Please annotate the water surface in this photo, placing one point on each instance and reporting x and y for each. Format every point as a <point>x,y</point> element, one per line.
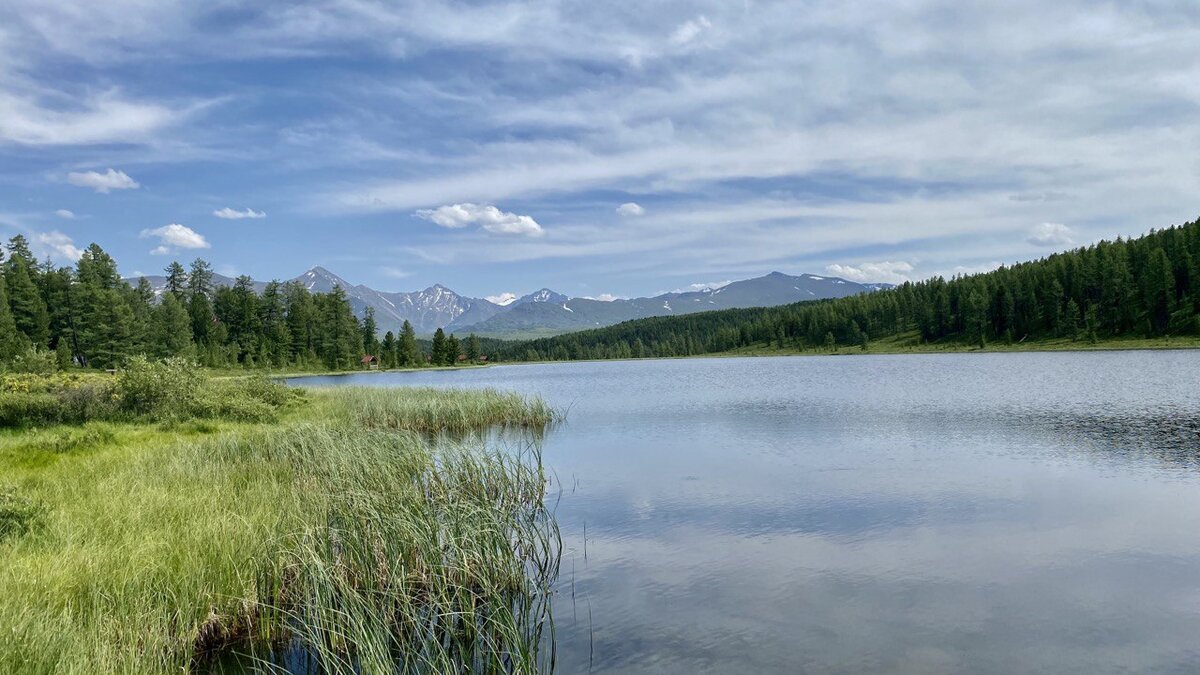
<point>989,513</point>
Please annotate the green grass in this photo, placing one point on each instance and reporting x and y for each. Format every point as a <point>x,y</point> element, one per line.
<point>166,546</point>
<point>909,343</point>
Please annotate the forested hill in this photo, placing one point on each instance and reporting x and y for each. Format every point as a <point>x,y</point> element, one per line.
<point>1145,287</point>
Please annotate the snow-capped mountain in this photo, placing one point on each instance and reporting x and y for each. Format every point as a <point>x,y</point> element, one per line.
<point>543,295</point>
<point>429,309</point>
<point>547,312</point>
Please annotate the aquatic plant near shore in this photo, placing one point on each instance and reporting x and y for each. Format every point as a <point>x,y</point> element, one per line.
<point>365,546</point>
<point>433,410</point>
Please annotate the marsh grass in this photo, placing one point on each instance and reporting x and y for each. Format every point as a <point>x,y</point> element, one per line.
<point>341,533</point>
<point>438,410</point>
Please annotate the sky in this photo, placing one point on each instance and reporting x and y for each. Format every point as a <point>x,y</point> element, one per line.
<point>603,149</point>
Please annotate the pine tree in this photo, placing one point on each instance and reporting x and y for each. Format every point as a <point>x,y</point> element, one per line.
<point>409,353</point>
<point>473,348</point>
<point>453,350</point>
<point>370,339</point>
<point>438,350</point>
<point>177,280</point>
<point>388,350</point>
<point>25,299</point>
<point>10,345</point>
<point>172,328</point>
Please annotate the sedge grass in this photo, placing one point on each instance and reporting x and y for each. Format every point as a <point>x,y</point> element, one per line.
<point>341,531</point>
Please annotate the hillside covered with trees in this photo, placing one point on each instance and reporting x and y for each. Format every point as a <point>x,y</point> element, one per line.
<point>1146,287</point>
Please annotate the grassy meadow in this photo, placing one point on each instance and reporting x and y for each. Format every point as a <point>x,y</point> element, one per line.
<point>162,521</point>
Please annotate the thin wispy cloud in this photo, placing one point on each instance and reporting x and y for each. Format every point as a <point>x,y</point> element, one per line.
<point>929,132</point>
<point>233,214</point>
<point>65,214</point>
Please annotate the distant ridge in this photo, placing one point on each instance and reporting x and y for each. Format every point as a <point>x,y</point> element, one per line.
<point>548,312</point>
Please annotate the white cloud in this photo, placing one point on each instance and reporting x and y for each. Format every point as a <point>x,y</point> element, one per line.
<point>174,237</point>
<point>65,214</point>
<point>502,298</point>
<point>689,30</point>
<point>103,182</point>
<point>630,209</point>
<point>233,214</point>
<point>699,286</point>
<point>59,246</point>
<point>105,118</point>
<point>1051,234</point>
<point>892,272</point>
<point>603,297</point>
<point>488,217</point>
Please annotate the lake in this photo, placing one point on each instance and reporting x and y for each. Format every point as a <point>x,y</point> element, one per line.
<point>989,513</point>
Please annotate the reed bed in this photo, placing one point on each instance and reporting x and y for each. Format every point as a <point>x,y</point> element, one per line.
<point>345,537</point>
<point>439,410</point>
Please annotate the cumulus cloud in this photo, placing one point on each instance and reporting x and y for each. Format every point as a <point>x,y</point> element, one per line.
<point>892,272</point>
<point>488,217</point>
<point>173,238</point>
<point>59,246</point>
<point>233,214</point>
<point>65,214</point>
<point>502,298</point>
<point>689,30</point>
<point>603,297</point>
<point>103,182</point>
<point>630,209</point>
<point>1051,234</point>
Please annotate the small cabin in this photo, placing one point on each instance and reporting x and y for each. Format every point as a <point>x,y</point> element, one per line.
<point>370,362</point>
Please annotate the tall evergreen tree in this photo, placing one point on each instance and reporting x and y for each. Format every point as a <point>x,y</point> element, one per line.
<point>437,351</point>
<point>177,280</point>
<point>172,328</point>
<point>25,299</point>
<point>409,353</point>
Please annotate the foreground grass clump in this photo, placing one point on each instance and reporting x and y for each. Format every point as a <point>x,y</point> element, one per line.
<point>174,545</point>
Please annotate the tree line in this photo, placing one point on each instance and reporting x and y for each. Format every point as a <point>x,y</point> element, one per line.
<point>87,315</point>
<point>1143,287</point>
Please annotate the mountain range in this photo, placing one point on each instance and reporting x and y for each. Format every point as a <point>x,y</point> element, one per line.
<point>546,312</point>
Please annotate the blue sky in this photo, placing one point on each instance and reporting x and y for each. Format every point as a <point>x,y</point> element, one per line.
<point>615,148</point>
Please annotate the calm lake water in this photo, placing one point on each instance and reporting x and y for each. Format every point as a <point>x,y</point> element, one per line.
<point>990,513</point>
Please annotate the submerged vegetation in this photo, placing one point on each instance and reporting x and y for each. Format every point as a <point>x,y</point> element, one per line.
<point>1127,293</point>
<point>159,531</point>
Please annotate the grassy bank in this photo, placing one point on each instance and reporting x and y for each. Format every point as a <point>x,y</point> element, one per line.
<point>153,540</point>
<point>910,343</point>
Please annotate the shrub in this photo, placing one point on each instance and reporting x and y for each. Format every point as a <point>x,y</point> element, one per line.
<point>34,360</point>
<point>92,401</point>
<point>159,389</point>
<point>18,409</point>
<point>18,515</point>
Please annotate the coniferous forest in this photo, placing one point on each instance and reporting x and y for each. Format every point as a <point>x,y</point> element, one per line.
<point>88,316</point>
<point>1145,287</point>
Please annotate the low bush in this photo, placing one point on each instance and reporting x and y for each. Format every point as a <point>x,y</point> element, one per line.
<point>168,390</point>
<point>19,409</point>
<point>18,515</point>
